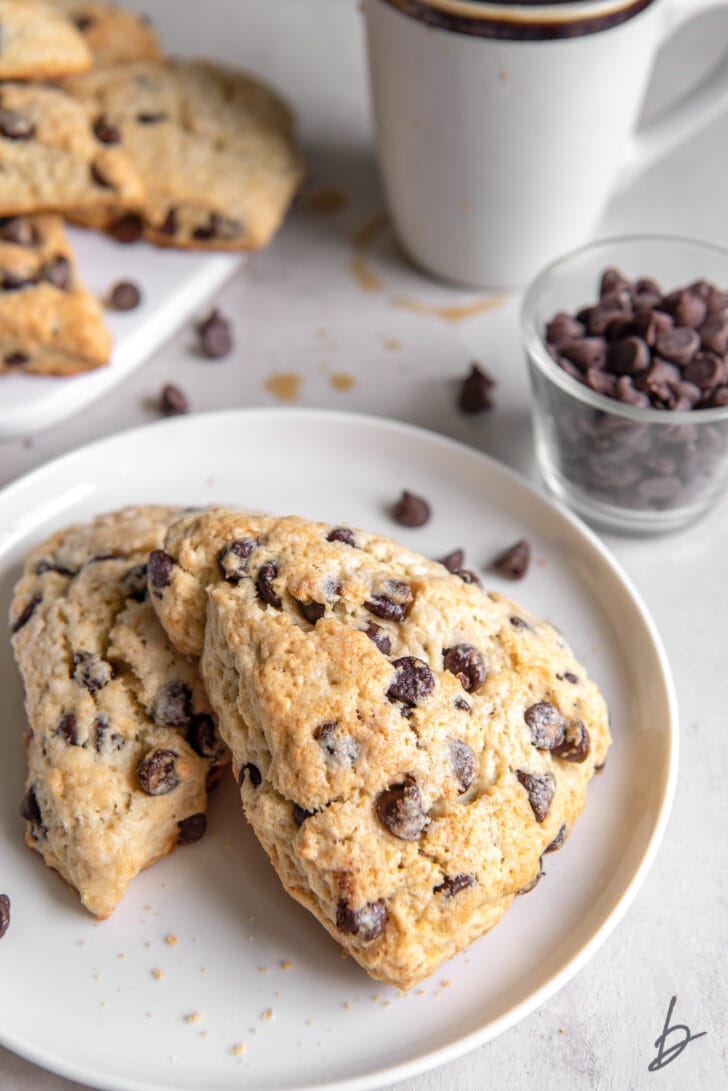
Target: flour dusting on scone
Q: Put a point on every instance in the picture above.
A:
(121, 743)
(408, 745)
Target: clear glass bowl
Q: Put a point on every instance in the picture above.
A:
(633, 470)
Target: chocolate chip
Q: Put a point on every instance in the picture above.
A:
(172, 705)
(106, 131)
(535, 881)
(264, 585)
(312, 611)
(151, 119)
(585, 352)
(135, 583)
(576, 745)
(83, 22)
(215, 336)
(12, 283)
(449, 887)
(232, 560)
(339, 747)
(157, 772)
(475, 391)
(513, 562)
(341, 534)
(100, 177)
(411, 510)
(706, 370)
(203, 737)
(462, 762)
(16, 126)
(629, 356)
(128, 228)
(253, 773)
(392, 603)
(628, 393)
(541, 791)
(400, 810)
(366, 923)
(466, 663)
(714, 335)
(569, 676)
(67, 729)
(58, 273)
(160, 567)
(468, 576)
(46, 565)
(678, 344)
(518, 622)
(379, 636)
(461, 704)
(104, 738)
(219, 227)
(688, 308)
(453, 561)
(124, 296)
(91, 671)
(555, 845)
(18, 230)
(563, 327)
(4, 914)
(170, 223)
(26, 614)
(413, 681)
(300, 814)
(30, 809)
(191, 829)
(173, 401)
(546, 724)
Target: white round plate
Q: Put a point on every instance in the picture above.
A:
(237, 962)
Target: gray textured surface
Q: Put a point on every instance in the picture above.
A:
(599, 1031)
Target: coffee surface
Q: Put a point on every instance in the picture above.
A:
(513, 26)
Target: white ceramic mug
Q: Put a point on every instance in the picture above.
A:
(503, 128)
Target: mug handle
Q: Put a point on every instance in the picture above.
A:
(682, 119)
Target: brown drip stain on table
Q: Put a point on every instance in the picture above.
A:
(284, 385)
(341, 381)
(450, 313)
(361, 240)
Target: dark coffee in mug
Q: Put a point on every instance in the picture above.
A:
(521, 21)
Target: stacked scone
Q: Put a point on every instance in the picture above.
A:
(182, 153)
(407, 744)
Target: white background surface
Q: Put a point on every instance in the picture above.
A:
(298, 309)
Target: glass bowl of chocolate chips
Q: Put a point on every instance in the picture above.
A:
(627, 344)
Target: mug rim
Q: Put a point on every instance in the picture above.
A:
(515, 13)
(534, 343)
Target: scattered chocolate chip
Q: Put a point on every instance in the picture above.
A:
(91, 671)
(124, 296)
(454, 561)
(4, 914)
(264, 585)
(67, 729)
(18, 230)
(253, 773)
(535, 881)
(555, 845)
(413, 681)
(128, 228)
(339, 747)
(16, 126)
(379, 636)
(466, 663)
(215, 336)
(475, 391)
(203, 737)
(400, 810)
(100, 177)
(300, 814)
(106, 131)
(541, 791)
(191, 829)
(172, 705)
(312, 611)
(546, 724)
(341, 534)
(392, 603)
(26, 614)
(232, 560)
(173, 401)
(170, 224)
(449, 887)
(30, 809)
(576, 744)
(160, 567)
(157, 772)
(366, 923)
(411, 510)
(513, 562)
(462, 762)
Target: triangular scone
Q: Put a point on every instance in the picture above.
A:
(49, 323)
(113, 34)
(53, 158)
(213, 147)
(121, 745)
(39, 42)
(408, 745)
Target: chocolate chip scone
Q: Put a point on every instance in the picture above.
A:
(52, 157)
(408, 745)
(49, 323)
(121, 745)
(213, 147)
(113, 34)
(38, 42)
